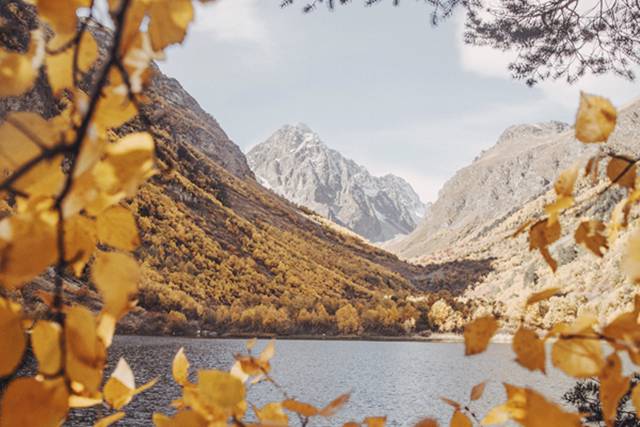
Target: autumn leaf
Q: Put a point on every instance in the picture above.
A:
(595, 120)
(460, 420)
(304, 409)
(45, 340)
(631, 260)
(332, 407)
(30, 247)
(635, 398)
(85, 353)
(220, 389)
(110, 419)
(80, 238)
(542, 295)
(18, 71)
(622, 171)
(427, 422)
(613, 385)
(477, 391)
(116, 276)
(541, 235)
(186, 418)
(529, 349)
(478, 333)
(375, 421)
(180, 368)
(169, 20)
(121, 386)
(272, 414)
(455, 405)
(60, 64)
(12, 338)
(590, 234)
(578, 357)
(30, 402)
(117, 227)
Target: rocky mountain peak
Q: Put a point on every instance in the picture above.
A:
(295, 163)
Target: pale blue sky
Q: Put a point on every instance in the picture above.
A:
(377, 83)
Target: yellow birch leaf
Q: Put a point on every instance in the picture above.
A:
(542, 413)
(304, 409)
(478, 333)
(118, 390)
(106, 328)
(513, 408)
(60, 64)
(578, 357)
(590, 234)
(31, 249)
(45, 340)
(29, 402)
(542, 295)
(180, 368)
(565, 182)
(541, 235)
(268, 352)
(425, 422)
(251, 344)
(17, 73)
(622, 171)
(117, 228)
(556, 208)
(181, 419)
(131, 160)
(12, 338)
(44, 179)
(272, 414)
(332, 407)
(635, 398)
(85, 352)
(113, 110)
(80, 241)
(595, 120)
(631, 260)
(375, 421)
(529, 349)
(455, 405)
(613, 385)
(220, 389)
(116, 276)
(169, 20)
(61, 14)
(460, 420)
(477, 391)
(110, 419)
(76, 401)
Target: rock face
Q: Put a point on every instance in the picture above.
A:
(522, 165)
(296, 164)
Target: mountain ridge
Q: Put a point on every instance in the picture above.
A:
(295, 163)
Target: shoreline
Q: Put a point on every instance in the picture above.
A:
(444, 337)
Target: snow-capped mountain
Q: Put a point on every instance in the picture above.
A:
(295, 163)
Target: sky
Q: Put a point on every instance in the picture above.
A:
(379, 84)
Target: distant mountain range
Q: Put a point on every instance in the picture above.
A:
(295, 163)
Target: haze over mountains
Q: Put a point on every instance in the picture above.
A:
(295, 163)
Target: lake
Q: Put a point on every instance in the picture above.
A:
(402, 380)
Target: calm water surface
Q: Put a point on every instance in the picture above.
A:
(402, 380)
